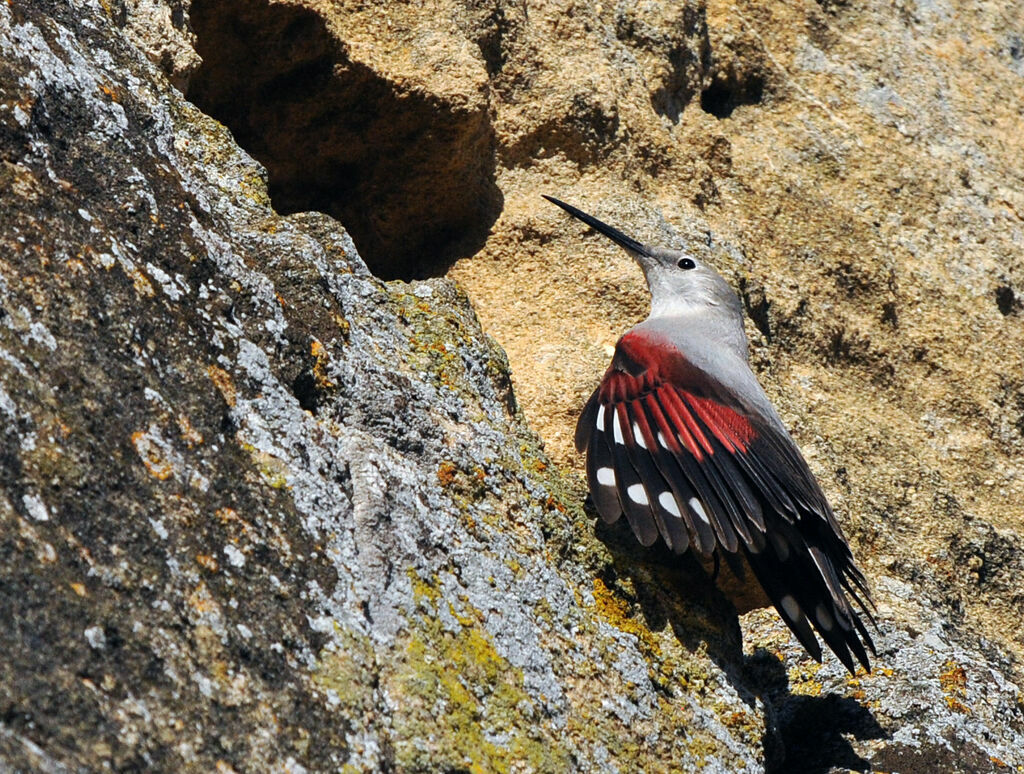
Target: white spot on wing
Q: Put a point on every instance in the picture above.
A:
(617, 428)
(606, 476)
(790, 606)
(637, 494)
(824, 618)
(668, 502)
(600, 417)
(638, 436)
(661, 440)
(699, 510)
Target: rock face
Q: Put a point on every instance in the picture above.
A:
(262, 511)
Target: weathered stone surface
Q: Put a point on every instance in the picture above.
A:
(403, 155)
(261, 511)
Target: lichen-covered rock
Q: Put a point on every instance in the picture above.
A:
(261, 511)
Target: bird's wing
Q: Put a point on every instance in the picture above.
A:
(685, 458)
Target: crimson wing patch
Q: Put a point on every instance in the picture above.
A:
(664, 458)
(708, 476)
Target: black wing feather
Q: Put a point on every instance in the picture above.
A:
(599, 457)
(639, 442)
(702, 535)
(637, 509)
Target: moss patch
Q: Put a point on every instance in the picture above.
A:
(462, 704)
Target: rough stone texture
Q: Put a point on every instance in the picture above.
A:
(406, 162)
(261, 511)
(162, 31)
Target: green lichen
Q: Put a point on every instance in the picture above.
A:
(345, 668)
(441, 328)
(462, 704)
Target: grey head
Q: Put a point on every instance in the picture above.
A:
(680, 284)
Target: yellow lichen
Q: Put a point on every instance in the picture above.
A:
(802, 680)
(201, 600)
(446, 473)
(207, 561)
(139, 280)
(188, 433)
(321, 360)
(344, 669)
(422, 590)
(275, 471)
(615, 611)
(953, 680)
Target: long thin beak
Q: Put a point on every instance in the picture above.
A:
(612, 233)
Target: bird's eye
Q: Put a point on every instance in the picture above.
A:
(686, 263)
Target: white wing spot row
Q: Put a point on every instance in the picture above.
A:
(638, 436)
(606, 476)
(637, 494)
(695, 504)
(668, 502)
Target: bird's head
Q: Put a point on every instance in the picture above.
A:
(679, 283)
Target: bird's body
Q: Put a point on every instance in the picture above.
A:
(682, 439)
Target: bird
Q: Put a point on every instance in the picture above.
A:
(681, 438)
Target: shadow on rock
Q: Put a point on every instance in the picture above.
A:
(410, 173)
(803, 733)
(808, 734)
(674, 590)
